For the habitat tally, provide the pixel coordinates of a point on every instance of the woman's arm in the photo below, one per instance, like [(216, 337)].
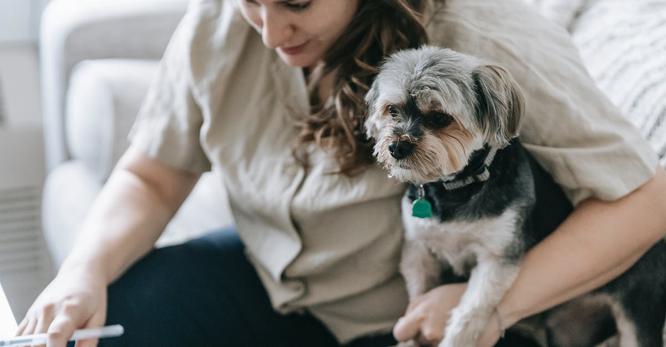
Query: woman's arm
[(125, 220), (596, 243), (129, 215)]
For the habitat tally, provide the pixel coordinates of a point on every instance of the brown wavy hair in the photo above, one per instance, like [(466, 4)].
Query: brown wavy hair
[(379, 28)]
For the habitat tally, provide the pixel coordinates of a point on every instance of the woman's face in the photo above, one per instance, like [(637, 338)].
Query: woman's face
[(300, 30)]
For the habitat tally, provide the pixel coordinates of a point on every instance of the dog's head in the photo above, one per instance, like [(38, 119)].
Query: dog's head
[(430, 108)]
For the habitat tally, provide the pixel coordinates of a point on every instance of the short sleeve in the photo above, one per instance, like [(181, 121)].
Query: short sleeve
[(170, 120), (570, 126)]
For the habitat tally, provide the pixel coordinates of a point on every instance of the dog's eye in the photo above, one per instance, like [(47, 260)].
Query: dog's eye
[(393, 111), (437, 120)]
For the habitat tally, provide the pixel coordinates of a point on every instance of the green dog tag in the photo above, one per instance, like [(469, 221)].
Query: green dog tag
[(421, 208)]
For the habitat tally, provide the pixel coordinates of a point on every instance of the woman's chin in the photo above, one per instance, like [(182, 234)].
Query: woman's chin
[(297, 60)]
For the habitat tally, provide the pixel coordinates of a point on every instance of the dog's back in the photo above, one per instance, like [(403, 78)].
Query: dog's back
[(636, 299)]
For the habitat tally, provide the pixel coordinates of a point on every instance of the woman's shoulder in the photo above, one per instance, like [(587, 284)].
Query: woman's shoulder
[(214, 38), (569, 125), (512, 34), (481, 27)]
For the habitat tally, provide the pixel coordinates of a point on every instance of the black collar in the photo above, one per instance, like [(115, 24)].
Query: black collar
[(475, 171)]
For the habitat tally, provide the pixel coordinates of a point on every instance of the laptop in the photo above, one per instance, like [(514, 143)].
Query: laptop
[(7, 320)]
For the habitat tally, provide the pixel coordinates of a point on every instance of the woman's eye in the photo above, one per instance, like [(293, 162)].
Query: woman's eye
[(393, 111), (438, 120), (291, 5), (297, 6)]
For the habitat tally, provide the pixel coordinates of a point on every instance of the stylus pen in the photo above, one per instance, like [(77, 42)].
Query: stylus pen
[(82, 334)]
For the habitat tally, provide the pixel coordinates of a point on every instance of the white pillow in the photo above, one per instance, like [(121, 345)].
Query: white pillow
[(623, 44), (562, 12)]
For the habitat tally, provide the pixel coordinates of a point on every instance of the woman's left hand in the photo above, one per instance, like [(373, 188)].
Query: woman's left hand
[(427, 315)]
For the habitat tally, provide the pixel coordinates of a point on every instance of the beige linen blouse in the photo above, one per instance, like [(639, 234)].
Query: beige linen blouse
[(331, 244)]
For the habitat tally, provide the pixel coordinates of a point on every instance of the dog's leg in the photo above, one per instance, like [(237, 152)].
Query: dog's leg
[(420, 268), (640, 322), (582, 322), (489, 280)]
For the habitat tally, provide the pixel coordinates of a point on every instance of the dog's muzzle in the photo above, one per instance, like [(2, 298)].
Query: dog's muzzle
[(401, 149)]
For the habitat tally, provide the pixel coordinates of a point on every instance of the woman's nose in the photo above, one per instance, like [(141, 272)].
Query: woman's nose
[(276, 30)]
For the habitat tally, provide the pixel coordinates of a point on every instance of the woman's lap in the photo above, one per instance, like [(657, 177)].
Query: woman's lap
[(205, 292)]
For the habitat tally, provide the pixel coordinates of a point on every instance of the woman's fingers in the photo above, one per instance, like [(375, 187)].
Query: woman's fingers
[(44, 320), (432, 328), (30, 329), (60, 331), (70, 317), (23, 326), (96, 321), (408, 326), (30, 326), (427, 314)]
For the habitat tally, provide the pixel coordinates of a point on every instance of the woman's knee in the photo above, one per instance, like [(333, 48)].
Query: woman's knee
[(172, 290)]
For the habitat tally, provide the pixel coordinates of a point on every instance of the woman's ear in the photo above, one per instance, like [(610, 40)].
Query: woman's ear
[(499, 106)]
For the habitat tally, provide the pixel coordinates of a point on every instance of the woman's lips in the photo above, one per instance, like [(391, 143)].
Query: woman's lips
[(294, 49)]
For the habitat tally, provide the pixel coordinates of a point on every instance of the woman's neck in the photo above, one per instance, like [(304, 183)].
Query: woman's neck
[(324, 85)]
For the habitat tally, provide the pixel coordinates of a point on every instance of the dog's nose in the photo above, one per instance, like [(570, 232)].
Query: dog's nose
[(401, 149)]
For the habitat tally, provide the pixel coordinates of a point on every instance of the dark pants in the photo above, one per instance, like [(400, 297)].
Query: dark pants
[(205, 293)]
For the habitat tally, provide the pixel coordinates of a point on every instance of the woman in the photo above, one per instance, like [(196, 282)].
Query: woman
[(277, 114)]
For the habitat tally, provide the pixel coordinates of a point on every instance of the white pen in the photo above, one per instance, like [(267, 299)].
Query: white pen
[(82, 334)]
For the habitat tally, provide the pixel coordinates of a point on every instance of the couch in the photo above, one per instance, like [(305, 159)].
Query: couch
[(97, 59)]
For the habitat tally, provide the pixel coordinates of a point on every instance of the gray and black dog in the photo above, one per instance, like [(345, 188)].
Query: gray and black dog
[(447, 124)]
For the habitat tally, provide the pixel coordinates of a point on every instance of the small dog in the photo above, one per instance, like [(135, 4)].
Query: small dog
[(447, 123)]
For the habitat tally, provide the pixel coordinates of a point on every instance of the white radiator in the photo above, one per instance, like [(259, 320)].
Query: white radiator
[(24, 263)]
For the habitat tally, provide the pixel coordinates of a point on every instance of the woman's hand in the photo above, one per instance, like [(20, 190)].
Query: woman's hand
[(427, 315), (75, 299)]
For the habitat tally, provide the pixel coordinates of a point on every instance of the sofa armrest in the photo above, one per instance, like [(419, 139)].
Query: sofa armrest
[(74, 30), (102, 102)]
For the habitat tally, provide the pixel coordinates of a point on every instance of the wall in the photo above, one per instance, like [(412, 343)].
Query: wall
[(19, 20)]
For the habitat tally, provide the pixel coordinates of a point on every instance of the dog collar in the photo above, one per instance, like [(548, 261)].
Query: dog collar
[(421, 207), (481, 174)]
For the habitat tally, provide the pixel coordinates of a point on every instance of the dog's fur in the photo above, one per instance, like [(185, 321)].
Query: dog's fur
[(434, 115)]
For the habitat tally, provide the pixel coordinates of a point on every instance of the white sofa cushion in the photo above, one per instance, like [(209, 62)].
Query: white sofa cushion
[(68, 192), (622, 44), (72, 31), (71, 188), (103, 100)]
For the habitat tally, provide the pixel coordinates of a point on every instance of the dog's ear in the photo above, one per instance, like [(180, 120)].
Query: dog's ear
[(499, 106), (371, 128)]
